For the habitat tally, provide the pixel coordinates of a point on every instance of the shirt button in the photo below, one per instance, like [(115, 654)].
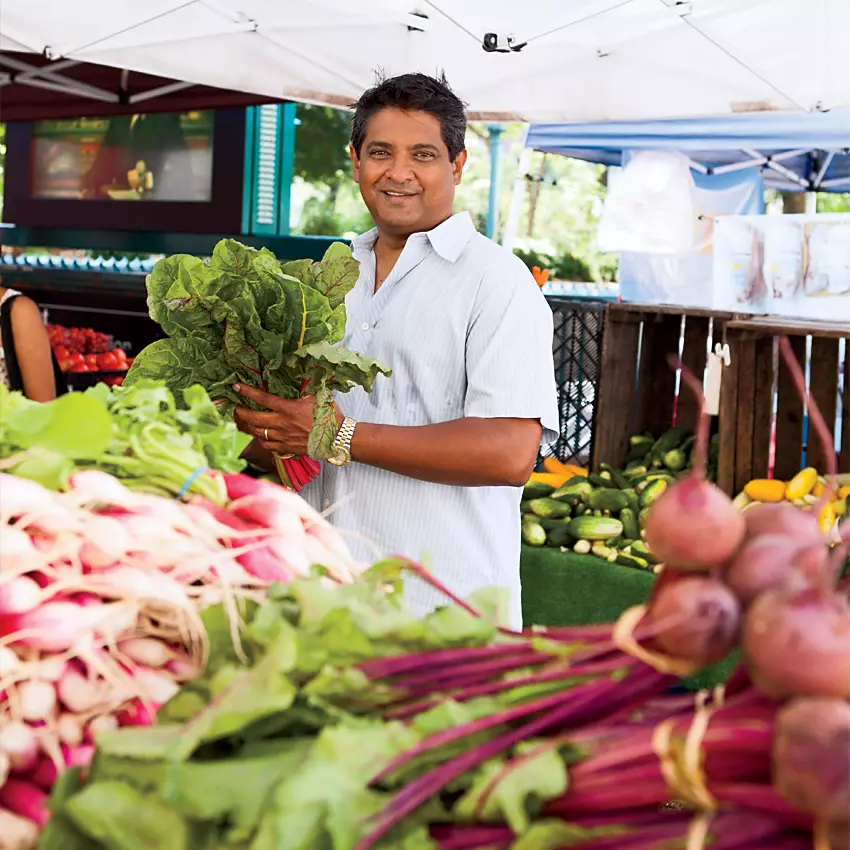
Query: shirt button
[(364, 326)]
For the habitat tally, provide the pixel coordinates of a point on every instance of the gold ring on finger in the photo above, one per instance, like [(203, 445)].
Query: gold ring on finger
[(266, 434)]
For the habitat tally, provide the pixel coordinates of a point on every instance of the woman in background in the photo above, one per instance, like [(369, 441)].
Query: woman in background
[(26, 358)]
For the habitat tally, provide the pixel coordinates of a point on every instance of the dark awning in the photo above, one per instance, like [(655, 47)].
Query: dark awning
[(33, 88)]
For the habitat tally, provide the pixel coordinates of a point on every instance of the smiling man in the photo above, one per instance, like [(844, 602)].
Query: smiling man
[(432, 461)]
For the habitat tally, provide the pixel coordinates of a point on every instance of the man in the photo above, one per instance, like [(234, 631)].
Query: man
[(438, 451)]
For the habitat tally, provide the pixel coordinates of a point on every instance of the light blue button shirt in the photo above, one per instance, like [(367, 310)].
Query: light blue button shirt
[(467, 333)]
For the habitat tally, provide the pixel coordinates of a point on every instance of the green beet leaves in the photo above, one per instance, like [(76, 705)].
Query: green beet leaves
[(244, 317)]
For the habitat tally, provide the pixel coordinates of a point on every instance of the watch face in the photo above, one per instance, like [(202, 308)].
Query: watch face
[(340, 457)]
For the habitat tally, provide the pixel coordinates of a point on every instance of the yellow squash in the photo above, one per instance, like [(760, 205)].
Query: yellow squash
[(801, 484), (765, 490)]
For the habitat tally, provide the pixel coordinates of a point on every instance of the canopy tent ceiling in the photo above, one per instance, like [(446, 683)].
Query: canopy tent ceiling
[(796, 151), (32, 88), (563, 60)]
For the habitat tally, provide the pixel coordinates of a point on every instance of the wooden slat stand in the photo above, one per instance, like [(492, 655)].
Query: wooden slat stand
[(637, 385), (757, 378)]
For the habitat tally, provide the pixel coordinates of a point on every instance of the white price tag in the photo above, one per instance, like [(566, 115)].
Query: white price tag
[(714, 378)]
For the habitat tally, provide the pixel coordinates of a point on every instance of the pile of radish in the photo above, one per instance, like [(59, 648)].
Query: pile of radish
[(100, 593)]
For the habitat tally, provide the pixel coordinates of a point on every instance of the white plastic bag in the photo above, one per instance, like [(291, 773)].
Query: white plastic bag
[(650, 208)]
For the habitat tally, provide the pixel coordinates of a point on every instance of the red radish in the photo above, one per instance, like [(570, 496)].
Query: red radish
[(105, 543), (99, 724), (773, 560), (79, 694), (96, 487), (9, 661), (51, 668), (18, 833), (45, 774), (270, 561), (130, 582), (38, 700), (156, 686), (811, 756), (15, 545), (59, 625), (135, 713), (79, 756), (703, 616), (19, 742), (784, 519), (797, 642), (22, 497), (70, 729), (183, 668), (271, 512), (24, 799), (150, 652), (18, 595)]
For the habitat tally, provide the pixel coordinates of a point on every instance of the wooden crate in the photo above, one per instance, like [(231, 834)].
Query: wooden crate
[(637, 386), (757, 382)]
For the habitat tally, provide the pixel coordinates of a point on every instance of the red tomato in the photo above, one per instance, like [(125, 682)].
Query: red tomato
[(79, 367), (108, 362), (61, 352), (76, 359), (120, 353), (91, 362), (65, 365)]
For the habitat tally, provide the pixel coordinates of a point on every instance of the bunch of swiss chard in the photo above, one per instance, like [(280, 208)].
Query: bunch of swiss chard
[(245, 317), (138, 434)]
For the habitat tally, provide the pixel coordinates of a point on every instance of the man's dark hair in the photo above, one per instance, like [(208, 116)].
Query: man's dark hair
[(413, 92)]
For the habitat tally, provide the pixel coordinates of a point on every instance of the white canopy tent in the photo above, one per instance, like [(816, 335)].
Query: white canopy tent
[(547, 60)]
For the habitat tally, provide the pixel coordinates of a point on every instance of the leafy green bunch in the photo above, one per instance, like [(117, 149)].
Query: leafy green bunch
[(245, 317), (138, 434)]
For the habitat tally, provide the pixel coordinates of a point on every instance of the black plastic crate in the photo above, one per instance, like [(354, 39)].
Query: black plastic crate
[(577, 349)]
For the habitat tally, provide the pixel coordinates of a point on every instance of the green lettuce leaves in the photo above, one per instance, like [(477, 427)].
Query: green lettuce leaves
[(245, 317), (139, 434)]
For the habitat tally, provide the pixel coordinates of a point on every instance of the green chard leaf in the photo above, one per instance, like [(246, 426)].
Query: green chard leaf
[(339, 367), (323, 433), (121, 818), (244, 317), (336, 274), (515, 790)]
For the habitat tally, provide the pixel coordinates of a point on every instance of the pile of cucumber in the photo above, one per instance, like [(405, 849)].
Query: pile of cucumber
[(604, 514)]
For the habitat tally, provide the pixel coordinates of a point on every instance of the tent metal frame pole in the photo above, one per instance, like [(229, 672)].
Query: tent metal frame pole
[(509, 231), (495, 131), (823, 169), (35, 76), (160, 91), (781, 169), (739, 166), (105, 97), (838, 181)]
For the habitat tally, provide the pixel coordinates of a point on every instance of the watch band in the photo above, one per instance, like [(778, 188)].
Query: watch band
[(345, 435)]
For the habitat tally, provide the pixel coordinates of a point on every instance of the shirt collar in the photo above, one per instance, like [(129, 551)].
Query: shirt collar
[(447, 239)]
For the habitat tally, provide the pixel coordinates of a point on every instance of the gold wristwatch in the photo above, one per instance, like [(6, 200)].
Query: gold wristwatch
[(342, 444)]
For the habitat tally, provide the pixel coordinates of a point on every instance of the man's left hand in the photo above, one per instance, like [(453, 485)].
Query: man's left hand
[(284, 427)]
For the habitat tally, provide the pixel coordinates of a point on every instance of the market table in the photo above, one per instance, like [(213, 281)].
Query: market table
[(567, 589)]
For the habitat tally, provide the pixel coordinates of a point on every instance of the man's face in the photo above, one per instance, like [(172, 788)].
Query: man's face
[(406, 176)]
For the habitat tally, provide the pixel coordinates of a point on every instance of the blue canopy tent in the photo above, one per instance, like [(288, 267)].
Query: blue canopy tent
[(797, 151)]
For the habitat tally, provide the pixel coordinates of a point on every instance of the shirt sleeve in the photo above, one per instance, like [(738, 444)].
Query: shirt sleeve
[(510, 369)]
